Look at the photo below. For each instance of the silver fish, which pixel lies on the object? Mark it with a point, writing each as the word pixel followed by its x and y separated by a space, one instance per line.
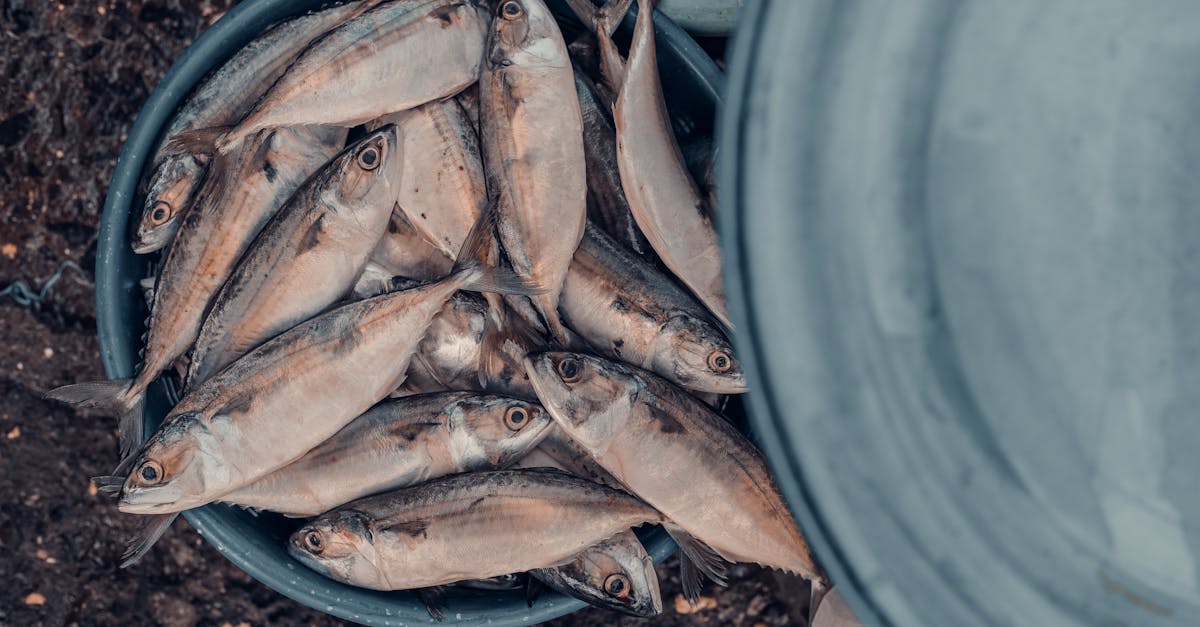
pixel 223 99
pixel 441 188
pixel 390 58
pixel 655 438
pixel 285 397
pixel 400 443
pixel 616 574
pixel 307 257
pixel 533 148
pixel 627 309
pixel 669 208
pixel 240 194
pixel 610 209
pixel 470 526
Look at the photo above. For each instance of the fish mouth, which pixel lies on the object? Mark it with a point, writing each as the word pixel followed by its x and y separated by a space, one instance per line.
pixel 144 247
pixel 151 501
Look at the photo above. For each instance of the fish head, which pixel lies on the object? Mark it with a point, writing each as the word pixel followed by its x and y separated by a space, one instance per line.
pixel 503 429
pixel 341 546
pixel 590 398
pixel 525 33
pixel 171 191
pixel 616 574
pixel 173 471
pixel 699 356
pixel 362 176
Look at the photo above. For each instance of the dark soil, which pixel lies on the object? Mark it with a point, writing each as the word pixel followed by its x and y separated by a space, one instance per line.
pixel 75 75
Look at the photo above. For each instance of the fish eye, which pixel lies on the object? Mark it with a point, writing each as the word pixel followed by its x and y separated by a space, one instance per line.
pixel 150 472
pixel 368 158
pixel 570 371
pixel 720 361
pixel 312 540
pixel 160 212
pixel 617 585
pixel 516 418
pixel 511 10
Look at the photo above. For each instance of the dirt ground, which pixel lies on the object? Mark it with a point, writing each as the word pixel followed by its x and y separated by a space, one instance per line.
pixel 75 75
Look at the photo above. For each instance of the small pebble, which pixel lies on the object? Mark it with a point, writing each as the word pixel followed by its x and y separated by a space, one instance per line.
pixel 682 606
pixel 35 598
pixel 48 352
pixel 9 250
pixel 92 489
pixel 15 433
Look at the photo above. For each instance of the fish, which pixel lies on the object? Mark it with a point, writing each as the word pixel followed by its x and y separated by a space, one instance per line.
pixel 465 350
pixel 295 391
pixel 625 308
pixel 666 202
pixel 399 443
pixel 609 209
pixel 469 526
pixel 223 99
pixel 441 187
pixel 532 134
pixel 309 255
pixel 170 193
pixel 656 439
pixel 393 57
pixel 240 194
pixel 616 574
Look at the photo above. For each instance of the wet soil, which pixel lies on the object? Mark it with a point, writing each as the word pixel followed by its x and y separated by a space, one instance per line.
pixel 75 75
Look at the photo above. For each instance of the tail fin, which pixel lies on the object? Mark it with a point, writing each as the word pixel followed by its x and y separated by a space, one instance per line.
pixel 606 17
pixel 696 561
pixel 475 265
pixel 154 527
pixel 198 141
pixel 117 396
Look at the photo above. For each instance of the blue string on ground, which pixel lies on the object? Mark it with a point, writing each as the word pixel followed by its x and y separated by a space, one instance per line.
pixel 24 296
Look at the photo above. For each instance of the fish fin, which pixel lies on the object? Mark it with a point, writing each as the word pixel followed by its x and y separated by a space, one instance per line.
pixel 607 16
pixel 476 263
pixel 548 310
pixel 109 485
pixel 117 396
pixel 696 560
pixel 154 527
pixel 197 141
pixel 533 589
pixel 413 528
pixel 434 599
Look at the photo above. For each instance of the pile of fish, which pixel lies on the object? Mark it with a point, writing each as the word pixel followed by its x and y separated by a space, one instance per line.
pixel 443 285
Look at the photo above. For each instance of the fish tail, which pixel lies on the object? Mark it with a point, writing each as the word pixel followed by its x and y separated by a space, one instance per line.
pixel 547 307
pixel 199 141
pixel 476 264
pixel 153 528
pixel 123 397
pixel 604 18
pixel 696 561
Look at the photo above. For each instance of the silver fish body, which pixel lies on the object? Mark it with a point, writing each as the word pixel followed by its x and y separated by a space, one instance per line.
pixel 392 57
pixel 221 100
pixel 399 443
pixel 533 148
pixel 285 397
pixel 627 309
pixel 470 526
pixel 307 257
pixel 655 439
pixel 441 188
pixel 609 209
pixel 665 201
